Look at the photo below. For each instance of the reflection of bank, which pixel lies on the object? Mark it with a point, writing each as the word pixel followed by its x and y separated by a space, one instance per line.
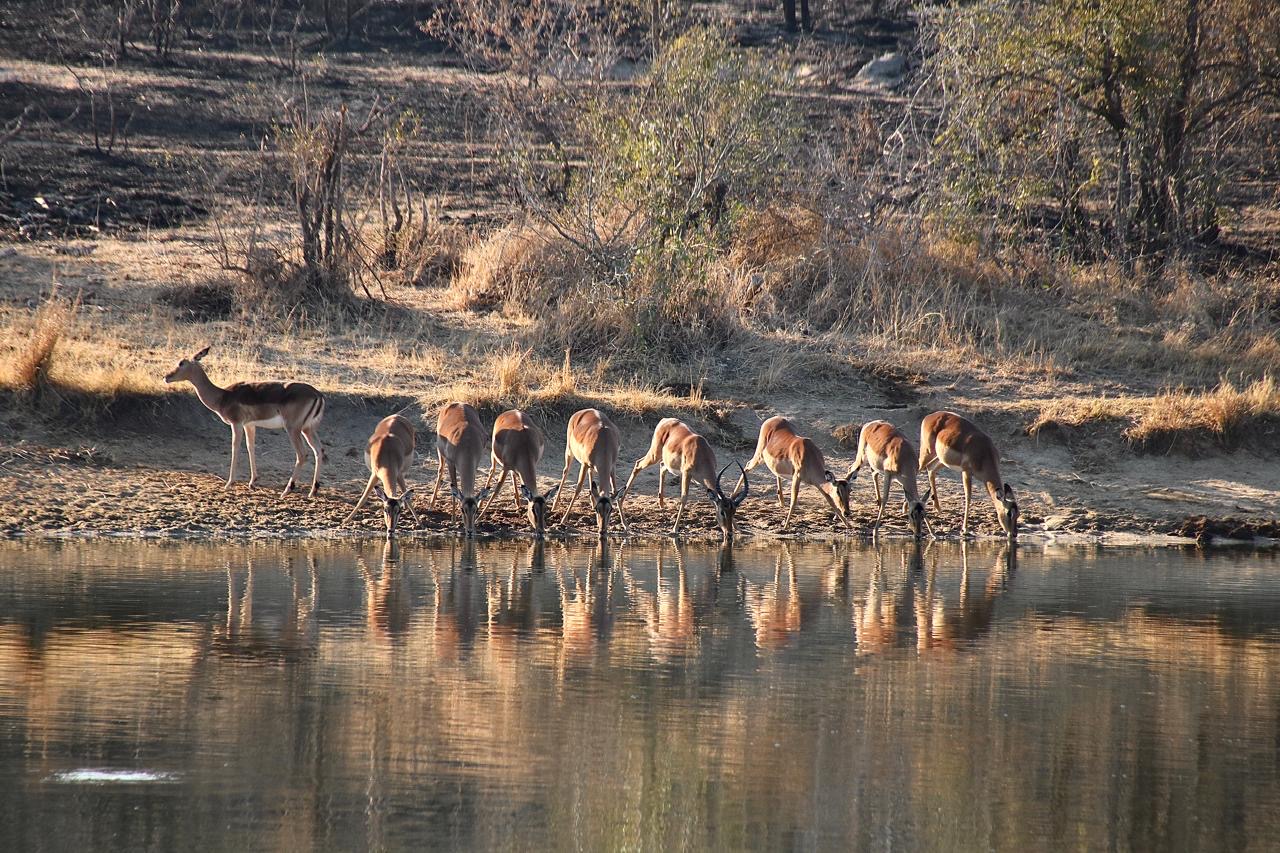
pixel 772 609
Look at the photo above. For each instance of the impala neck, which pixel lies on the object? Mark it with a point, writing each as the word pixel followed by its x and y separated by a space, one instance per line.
pixel 211 395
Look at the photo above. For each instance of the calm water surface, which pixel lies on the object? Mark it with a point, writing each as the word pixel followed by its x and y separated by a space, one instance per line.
pixel 338 697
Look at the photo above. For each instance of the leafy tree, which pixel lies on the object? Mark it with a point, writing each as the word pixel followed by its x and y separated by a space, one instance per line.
pixel 1121 119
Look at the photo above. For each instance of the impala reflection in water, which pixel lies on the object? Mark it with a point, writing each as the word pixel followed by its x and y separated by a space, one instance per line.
pixel 468 694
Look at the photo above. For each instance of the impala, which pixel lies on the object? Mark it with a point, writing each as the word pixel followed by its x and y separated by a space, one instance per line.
pixel 517 446
pixel 593 440
pixel 459 446
pixel 295 407
pixel 389 457
pixel 680 451
pixel 788 454
pixel 950 440
pixel 888 452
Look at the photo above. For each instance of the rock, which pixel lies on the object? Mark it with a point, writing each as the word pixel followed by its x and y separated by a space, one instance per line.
pixel 884 72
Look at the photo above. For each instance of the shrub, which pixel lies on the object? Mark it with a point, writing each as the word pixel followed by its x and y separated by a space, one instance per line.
pixel 1111 120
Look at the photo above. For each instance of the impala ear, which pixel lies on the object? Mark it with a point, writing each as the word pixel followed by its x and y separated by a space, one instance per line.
pixel 200 354
pixel 551 493
pixel 407 496
pixel 377 490
pixel 1008 492
pixel 457 494
pixel 528 495
pixel 484 493
pixel 829 477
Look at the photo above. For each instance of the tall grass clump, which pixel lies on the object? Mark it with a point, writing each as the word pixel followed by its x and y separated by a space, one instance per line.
pixel 33 362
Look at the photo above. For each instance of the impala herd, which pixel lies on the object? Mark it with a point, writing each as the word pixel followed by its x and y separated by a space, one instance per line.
pixel 593 441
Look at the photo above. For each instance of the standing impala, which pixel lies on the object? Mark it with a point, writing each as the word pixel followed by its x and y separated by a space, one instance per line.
pixel 389 457
pixel 948 439
pixel 680 451
pixel 459 447
pixel 593 440
pixel 295 407
pixel 517 446
pixel 888 452
pixel 788 454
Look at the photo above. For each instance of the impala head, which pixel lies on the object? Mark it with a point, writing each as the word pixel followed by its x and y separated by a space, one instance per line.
pixel 536 508
pixel 392 508
pixel 470 509
pixel 727 506
pixel 842 487
pixel 1007 512
pixel 915 514
pixel 604 506
pixel 186 369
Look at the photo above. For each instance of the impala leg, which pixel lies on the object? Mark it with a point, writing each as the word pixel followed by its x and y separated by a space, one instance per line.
pixel 684 496
pixel 875 481
pixel 635 471
pixel 778 482
pixel 313 442
pixel 493 496
pixel 835 506
pixel 662 471
pixel 235 454
pixel 516 482
pixel 933 489
pixel 403 486
pixel 295 438
pixel 568 460
pixel 439 476
pixel 968 485
pixel 250 439
pixel 453 498
pixel 884 499
pixel 795 493
pixel 617 502
pixel 582 478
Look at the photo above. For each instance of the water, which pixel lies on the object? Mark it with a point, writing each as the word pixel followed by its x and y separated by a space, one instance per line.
pixel 296 697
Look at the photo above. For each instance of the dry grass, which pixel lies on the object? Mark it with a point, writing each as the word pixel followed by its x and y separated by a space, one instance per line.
pixel 64 358
pixel 32 364
pixel 1226 414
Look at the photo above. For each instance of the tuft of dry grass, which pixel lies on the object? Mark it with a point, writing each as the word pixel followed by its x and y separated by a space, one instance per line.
pixel 1174 418
pixel 1227 412
pixel 32 364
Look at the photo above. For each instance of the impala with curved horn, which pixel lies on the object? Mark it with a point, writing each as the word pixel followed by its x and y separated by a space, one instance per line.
pixel 389 457
pixel 517 447
pixel 788 454
pixel 593 440
pixel 887 451
pixel 678 450
pixel 459 446
pixel 294 407
pixel 948 439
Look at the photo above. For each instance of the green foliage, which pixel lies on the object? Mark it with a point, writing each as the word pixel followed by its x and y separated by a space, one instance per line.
pixel 666 165
pixel 1116 117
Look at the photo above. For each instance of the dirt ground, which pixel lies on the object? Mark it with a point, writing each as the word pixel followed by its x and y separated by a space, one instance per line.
pixel 141 479
pixel 119 228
